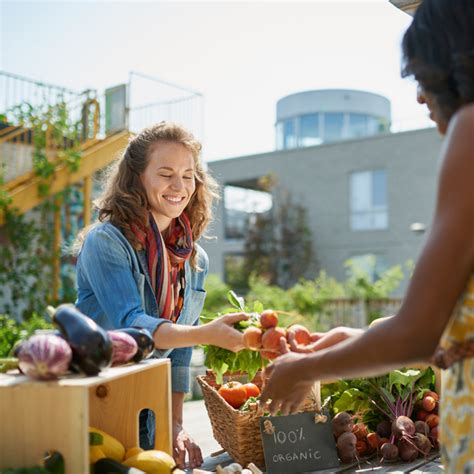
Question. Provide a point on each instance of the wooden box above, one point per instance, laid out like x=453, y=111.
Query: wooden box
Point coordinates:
x=39, y=416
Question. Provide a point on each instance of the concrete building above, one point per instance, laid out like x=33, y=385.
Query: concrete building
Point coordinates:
x=372, y=195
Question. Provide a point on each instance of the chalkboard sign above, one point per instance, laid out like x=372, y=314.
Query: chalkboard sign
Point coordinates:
x=295, y=444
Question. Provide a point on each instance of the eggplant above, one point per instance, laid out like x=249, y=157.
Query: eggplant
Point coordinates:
x=125, y=347
x=44, y=356
x=144, y=340
x=91, y=345
x=109, y=466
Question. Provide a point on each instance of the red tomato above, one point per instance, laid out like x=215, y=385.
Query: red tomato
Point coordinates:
x=234, y=393
x=252, y=390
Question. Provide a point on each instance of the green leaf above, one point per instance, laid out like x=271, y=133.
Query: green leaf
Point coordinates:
x=236, y=301
x=258, y=307
x=426, y=380
x=400, y=379
x=351, y=400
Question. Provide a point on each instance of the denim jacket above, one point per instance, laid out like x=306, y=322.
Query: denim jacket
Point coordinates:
x=114, y=289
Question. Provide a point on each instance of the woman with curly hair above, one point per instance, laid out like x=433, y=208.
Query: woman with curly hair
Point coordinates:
x=436, y=320
x=141, y=265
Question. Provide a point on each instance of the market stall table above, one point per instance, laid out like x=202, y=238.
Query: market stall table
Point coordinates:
x=37, y=416
x=198, y=424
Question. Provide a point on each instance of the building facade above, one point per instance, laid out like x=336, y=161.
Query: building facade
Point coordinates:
x=367, y=196
x=324, y=116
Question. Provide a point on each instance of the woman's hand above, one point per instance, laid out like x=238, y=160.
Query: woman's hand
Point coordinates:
x=220, y=332
x=182, y=444
x=321, y=340
x=287, y=385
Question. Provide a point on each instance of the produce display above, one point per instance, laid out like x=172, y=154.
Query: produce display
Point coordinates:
x=108, y=455
x=261, y=338
x=394, y=416
x=237, y=394
x=79, y=345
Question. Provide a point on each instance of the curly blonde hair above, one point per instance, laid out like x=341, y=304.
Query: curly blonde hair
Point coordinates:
x=124, y=201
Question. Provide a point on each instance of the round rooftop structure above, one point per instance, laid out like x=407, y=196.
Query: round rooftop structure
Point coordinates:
x=322, y=116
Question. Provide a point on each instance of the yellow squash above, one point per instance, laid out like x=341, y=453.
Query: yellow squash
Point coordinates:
x=111, y=447
x=95, y=453
x=153, y=462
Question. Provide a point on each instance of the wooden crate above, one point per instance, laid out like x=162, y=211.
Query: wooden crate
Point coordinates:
x=39, y=416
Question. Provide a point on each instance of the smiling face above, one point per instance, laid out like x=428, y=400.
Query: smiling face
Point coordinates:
x=169, y=181
x=436, y=115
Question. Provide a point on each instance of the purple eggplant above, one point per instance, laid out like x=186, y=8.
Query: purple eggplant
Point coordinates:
x=91, y=345
x=124, y=347
x=144, y=341
x=44, y=356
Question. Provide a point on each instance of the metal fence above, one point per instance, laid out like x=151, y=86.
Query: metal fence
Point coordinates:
x=355, y=312
x=152, y=100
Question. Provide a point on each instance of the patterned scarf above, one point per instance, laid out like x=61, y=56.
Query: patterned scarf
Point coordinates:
x=166, y=258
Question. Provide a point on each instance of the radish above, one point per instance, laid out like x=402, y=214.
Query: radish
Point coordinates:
x=360, y=430
x=429, y=403
x=361, y=447
x=373, y=441
x=432, y=420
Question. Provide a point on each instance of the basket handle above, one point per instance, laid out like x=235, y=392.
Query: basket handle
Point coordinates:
x=316, y=395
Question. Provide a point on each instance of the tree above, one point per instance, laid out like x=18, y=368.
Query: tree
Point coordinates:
x=279, y=244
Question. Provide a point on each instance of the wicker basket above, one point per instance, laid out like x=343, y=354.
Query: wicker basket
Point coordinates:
x=238, y=432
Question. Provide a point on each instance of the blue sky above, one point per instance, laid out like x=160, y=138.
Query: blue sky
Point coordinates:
x=243, y=56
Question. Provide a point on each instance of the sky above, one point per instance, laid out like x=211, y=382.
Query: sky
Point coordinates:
x=242, y=56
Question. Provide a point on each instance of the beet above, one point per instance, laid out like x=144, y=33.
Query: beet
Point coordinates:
x=347, y=447
x=384, y=429
x=124, y=347
x=341, y=423
x=422, y=427
x=44, y=356
x=403, y=426
x=422, y=443
x=407, y=449
x=389, y=452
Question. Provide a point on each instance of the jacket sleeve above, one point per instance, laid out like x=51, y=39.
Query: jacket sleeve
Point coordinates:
x=106, y=265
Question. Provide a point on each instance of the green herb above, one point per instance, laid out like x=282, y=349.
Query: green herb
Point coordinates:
x=246, y=361
x=374, y=399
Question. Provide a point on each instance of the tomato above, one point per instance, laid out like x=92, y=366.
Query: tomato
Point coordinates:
x=234, y=393
x=252, y=390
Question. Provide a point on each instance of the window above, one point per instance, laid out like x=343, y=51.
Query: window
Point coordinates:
x=289, y=134
x=368, y=195
x=333, y=126
x=309, y=130
x=240, y=207
x=357, y=125
x=279, y=136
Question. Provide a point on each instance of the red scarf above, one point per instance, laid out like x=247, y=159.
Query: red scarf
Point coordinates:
x=166, y=258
